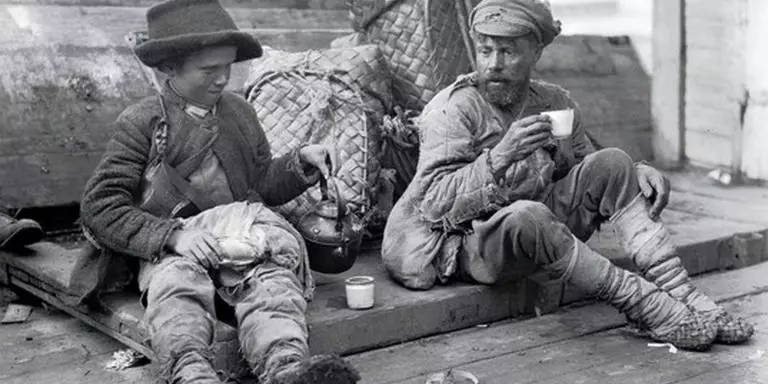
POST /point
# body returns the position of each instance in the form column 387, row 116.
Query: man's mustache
column 488, row 79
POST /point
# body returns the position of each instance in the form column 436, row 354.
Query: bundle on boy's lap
column 249, row 234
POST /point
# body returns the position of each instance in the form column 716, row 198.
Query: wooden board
column 545, row 347
column 747, row 372
column 403, row 314
column 755, row 160
column 706, row 243
column 714, row 81
column 659, row 366
column 668, row 91
column 695, row 181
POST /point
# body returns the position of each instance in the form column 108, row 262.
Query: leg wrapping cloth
column 653, row 252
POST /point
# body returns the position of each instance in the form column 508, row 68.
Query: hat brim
column 501, row 30
column 156, row 51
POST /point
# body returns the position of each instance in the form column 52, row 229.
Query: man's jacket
column 454, row 183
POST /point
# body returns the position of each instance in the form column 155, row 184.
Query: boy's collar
column 174, row 97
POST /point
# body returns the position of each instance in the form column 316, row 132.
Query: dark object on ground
column 322, row 369
column 15, row 234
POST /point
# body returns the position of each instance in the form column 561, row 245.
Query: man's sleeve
column 107, row 210
column 459, row 183
column 581, row 143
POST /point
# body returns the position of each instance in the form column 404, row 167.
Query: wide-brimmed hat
column 177, row 28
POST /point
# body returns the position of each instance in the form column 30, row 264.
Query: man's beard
column 504, row 94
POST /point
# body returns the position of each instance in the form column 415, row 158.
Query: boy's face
column 202, row 76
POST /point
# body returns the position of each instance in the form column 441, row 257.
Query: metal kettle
column 332, row 232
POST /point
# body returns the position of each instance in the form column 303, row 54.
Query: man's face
column 202, row 76
column 504, row 66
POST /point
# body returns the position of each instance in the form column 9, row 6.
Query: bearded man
column 184, row 172
column 495, row 196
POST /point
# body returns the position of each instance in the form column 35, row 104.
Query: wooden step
column 706, row 244
column 576, row 345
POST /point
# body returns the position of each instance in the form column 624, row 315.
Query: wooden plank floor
column 585, row 345
column 577, row 345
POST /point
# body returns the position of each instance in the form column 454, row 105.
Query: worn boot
column 284, row 363
column 192, row 367
column 657, row 314
column 656, row 257
column 16, row 234
column 319, row 369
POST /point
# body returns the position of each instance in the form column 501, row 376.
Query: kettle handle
column 341, row 206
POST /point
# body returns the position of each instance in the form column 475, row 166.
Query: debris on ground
column 757, row 355
column 453, row 376
column 124, row 358
column 16, row 313
column 7, row 296
column 721, row 176
column 672, row 348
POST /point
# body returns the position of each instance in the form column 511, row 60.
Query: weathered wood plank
column 95, row 26
column 442, row 352
column 695, row 181
column 41, row 324
column 715, row 40
column 706, row 149
column 668, row 90
column 86, row 318
column 748, row 372
column 48, row 262
column 662, row 367
column 755, row 160
column 89, row 371
column 402, row 314
column 74, row 347
column 515, row 340
column 693, row 203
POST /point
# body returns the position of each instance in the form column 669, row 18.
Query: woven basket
column 336, row 97
column 421, row 39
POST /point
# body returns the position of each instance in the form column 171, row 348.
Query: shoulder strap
column 202, row 201
column 160, row 133
column 194, row 195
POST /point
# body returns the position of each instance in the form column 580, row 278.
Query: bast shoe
column 16, row 234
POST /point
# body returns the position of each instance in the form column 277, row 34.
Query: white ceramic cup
column 360, row 292
column 562, row 122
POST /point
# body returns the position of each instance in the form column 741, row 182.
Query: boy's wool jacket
column 109, row 211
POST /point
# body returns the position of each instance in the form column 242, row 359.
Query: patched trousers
column 180, row 314
column 520, row 238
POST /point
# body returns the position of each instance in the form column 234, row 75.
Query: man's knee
column 528, row 213
column 536, row 231
column 527, row 220
column 610, row 161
